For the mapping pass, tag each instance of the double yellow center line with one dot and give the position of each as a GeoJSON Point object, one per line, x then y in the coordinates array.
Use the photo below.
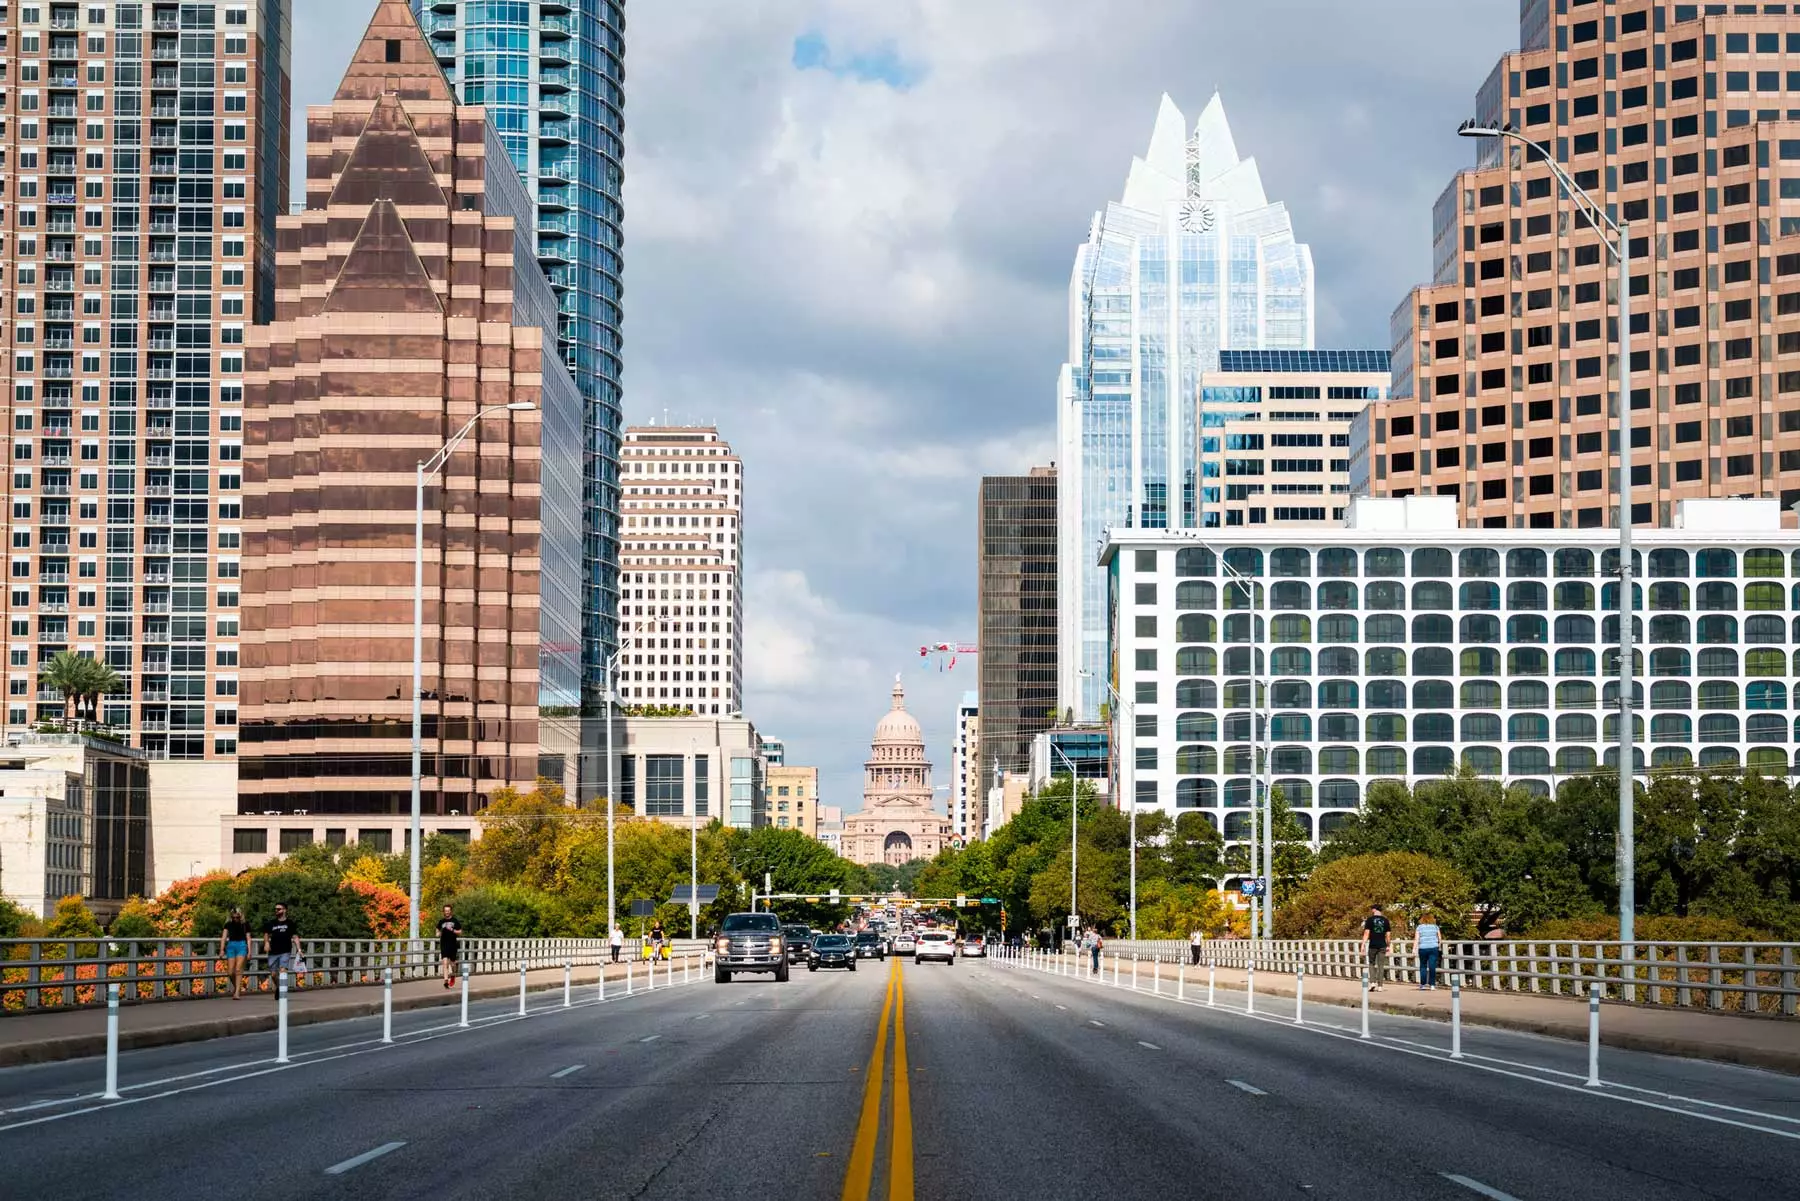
{"type": "Point", "coordinates": [860, 1176]}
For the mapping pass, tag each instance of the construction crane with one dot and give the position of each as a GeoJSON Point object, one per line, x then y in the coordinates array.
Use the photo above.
{"type": "Point", "coordinates": [946, 653]}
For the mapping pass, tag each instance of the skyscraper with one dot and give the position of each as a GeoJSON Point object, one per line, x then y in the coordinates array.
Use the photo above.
{"type": "Point", "coordinates": [144, 153]}
{"type": "Point", "coordinates": [1681, 120]}
{"type": "Point", "coordinates": [1016, 599]}
{"type": "Point", "coordinates": [1193, 259]}
{"type": "Point", "coordinates": [682, 612]}
{"type": "Point", "coordinates": [552, 75]}
{"type": "Point", "coordinates": [410, 311]}
{"type": "Point", "coordinates": [967, 792]}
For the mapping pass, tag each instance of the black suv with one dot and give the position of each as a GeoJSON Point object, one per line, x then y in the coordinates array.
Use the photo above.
{"type": "Point", "coordinates": [750, 942]}
{"type": "Point", "coordinates": [799, 941]}
{"type": "Point", "coordinates": [870, 945]}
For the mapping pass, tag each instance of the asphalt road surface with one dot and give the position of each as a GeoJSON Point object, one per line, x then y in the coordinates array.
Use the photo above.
{"type": "Point", "coordinates": [902, 1080]}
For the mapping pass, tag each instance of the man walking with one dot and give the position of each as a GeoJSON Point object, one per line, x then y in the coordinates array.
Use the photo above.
{"type": "Point", "coordinates": [449, 946]}
{"type": "Point", "coordinates": [1375, 946]}
{"type": "Point", "coordinates": [1195, 941]}
{"type": "Point", "coordinates": [616, 941]}
{"type": "Point", "coordinates": [1095, 942]}
{"type": "Point", "coordinates": [281, 945]}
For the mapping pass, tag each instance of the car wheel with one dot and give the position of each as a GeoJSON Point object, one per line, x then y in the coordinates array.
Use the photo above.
{"type": "Point", "coordinates": [781, 974]}
{"type": "Point", "coordinates": [812, 967]}
{"type": "Point", "coordinates": [721, 976]}
{"type": "Point", "coordinates": [853, 967]}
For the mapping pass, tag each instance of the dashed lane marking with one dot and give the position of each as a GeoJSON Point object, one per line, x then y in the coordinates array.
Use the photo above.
{"type": "Point", "coordinates": [568, 1071]}
{"type": "Point", "coordinates": [357, 1161]}
{"type": "Point", "coordinates": [1249, 1088]}
{"type": "Point", "coordinates": [1475, 1186]}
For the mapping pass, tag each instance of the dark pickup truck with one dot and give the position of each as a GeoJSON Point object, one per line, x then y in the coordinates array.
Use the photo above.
{"type": "Point", "coordinates": [750, 942]}
{"type": "Point", "coordinates": [799, 942]}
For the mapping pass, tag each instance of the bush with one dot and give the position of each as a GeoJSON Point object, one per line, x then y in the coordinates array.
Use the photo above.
{"type": "Point", "coordinates": [387, 909]}
{"type": "Point", "coordinates": [134, 921]}
{"type": "Point", "coordinates": [73, 919]}
{"type": "Point", "coordinates": [1650, 929]}
{"type": "Point", "coordinates": [1336, 899]}
{"type": "Point", "coordinates": [507, 911]}
{"type": "Point", "coordinates": [314, 902]}
{"type": "Point", "coordinates": [13, 919]}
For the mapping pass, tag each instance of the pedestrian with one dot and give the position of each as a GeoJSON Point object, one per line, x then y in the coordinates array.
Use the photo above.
{"type": "Point", "coordinates": [281, 945]}
{"type": "Point", "coordinates": [657, 939]}
{"type": "Point", "coordinates": [449, 945]}
{"type": "Point", "coordinates": [1428, 940]}
{"type": "Point", "coordinates": [234, 947]}
{"type": "Point", "coordinates": [617, 941]}
{"type": "Point", "coordinates": [1375, 946]}
{"type": "Point", "coordinates": [1095, 942]}
{"type": "Point", "coordinates": [1195, 941]}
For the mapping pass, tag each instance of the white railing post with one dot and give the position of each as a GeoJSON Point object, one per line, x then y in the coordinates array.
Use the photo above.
{"type": "Point", "coordinates": [387, 1004]}
{"type": "Point", "coordinates": [1365, 1004]}
{"type": "Point", "coordinates": [1134, 983]}
{"type": "Point", "coordinates": [281, 1016]}
{"type": "Point", "coordinates": [1250, 987]}
{"type": "Point", "coordinates": [1181, 968]}
{"type": "Point", "coordinates": [1456, 1016]}
{"type": "Point", "coordinates": [464, 1024]}
{"type": "Point", "coordinates": [112, 1043]}
{"type": "Point", "coordinates": [1212, 979]}
{"type": "Point", "coordinates": [568, 984]}
{"type": "Point", "coordinates": [1593, 1076]}
{"type": "Point", "coordinates": [521, 987]}
{"type": "Point", "coordinates": [1299, 997]}
{"type": "Point", "coordinates": [603, 976]}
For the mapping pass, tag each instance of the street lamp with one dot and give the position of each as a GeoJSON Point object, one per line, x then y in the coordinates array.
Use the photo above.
{"type": "Point", "coordinates": [430, 467]}
{"type": "Point", "coordinates": [609, 697]}
{"type": "Point", "coordinates": [694, 845]}
{"type": "Point", "coordinates": [1074, 791]}
{"type": "Point", "coordinates": [1127, 778]}
{"type": "Point", "coordinates": [1614, 235]}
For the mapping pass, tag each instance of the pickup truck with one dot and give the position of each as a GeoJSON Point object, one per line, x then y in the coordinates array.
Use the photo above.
{"type": "Point", "coordinates": [750, 942]}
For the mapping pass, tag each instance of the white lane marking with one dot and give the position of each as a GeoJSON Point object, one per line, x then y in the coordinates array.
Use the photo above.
{"type": "Point", "coordinates": [1475, 1186]}
{"type": "Point", "coordinates": [1093, 1022]}
{"type": "Point", "coordinates": [1062, 1007]}
{"type": "Point", "coordinates": [1249, 1088]}
{"type": "Point", "coordinates": [699, 1017]}
{"type": "Point", "coordinates": [46, 1104]}
{"type": "Point", "coordinates": [1152, 1046]}
{"type": "Point", "coordinates": [650, 1038]}
{"type": "Point", "coordinates": [737, 1002]}
{"type": "Point", "coordinates": [357, 1161]}
{"type": "Point", "coordinates": [568, 1071]}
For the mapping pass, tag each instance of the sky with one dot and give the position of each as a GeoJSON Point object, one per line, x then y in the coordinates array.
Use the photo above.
{"type": "Point", "coordinates": [849, 230]}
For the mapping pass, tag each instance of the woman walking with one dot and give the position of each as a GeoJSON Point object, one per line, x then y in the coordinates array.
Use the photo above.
{"type": "Point", "coordinates": [234, 947]}
{"type": "Point", "coordinates": [1428, 940]}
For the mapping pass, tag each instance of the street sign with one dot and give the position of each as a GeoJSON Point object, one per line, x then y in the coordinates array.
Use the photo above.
{"type": "Point", "coordinates": [961, 900]}
{"type": "Point", "coordinates": [1255, 886]}
{"type": "Point", "coordinates": [643, 908]}
{"type": "Point", "coordinates": [708, 894]}
{"type": "Point", "coordinates": [1074, 921]}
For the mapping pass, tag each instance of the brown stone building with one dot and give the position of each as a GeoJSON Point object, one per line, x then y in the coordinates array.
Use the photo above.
{"type": "Point", "coordinates": [408, 299]}
{"type": "Point", "coordinates": [1684, 120]}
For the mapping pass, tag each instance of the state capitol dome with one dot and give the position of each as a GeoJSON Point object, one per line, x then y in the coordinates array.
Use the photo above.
{"type": "Point", "coordinates": [898, 822]}
{"type": "Point", "coordinates": [897, 725]}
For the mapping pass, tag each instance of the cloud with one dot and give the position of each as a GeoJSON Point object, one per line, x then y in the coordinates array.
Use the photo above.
{"type": "Point", "coordinates": [858, 266]}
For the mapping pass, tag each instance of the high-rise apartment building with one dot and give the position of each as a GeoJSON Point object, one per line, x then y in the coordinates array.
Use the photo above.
{"type": "Point", "coordinates": [143, 157]}
{"type": "Point", "coordinates": [1684, 121]}
{"type": "Point", "coordinates": [551, 74]}
{"type": "Point", "coordinates": [1275, 433]}
{"type": "Point", "coordinates": [1193, 259]}
{"type": "Point", "coordinates": [793, 797]}
{"type": "Point", "coordinates": [682, 593]}
{"type": "Point", "coordinates": [410, 311]}
{"type": "Point", "coordinates": [1016, 598]}
{"type": "Point", "coordinates": [966, 792]}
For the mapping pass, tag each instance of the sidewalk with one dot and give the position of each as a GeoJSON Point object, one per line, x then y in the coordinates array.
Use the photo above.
{"type": "Point", "coordinates": [49, 1035]}
{"type": "Point", "coordinates": [1762, 1042]}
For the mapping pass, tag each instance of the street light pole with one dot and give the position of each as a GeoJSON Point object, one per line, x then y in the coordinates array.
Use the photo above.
{"type": "Point", "coordinates": [1074, 788]}
{"type": "Point", "coordinates": [1615, 236]}
{"type": "Point", "coordinates": [429, 467]}
{"type": "Point", "coordinates": [1127, 719]}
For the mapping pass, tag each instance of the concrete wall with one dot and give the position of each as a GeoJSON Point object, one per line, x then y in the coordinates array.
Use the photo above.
{"type": "Point", "coordinates": [190, 801]}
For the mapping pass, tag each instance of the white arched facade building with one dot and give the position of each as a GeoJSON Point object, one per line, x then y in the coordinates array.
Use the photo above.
{"type": "Point", "coordinates": [897, 822]}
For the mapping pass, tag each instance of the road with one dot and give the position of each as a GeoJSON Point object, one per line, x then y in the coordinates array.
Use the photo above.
{"type": "Point", "coordinates": [1016, 1085]}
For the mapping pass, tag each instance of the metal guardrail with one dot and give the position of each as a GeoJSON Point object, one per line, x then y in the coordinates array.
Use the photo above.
{"type": "Point", "coordinates": [1726, 977]}
{"type": "Point", "coordinates": [43, 974]}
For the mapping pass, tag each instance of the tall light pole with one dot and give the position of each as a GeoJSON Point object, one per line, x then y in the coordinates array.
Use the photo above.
{"type": "Point", "coordinates": [610, 698]}
{"type": "Point", "coordinates": [1074, 789]}
{"type": "Point", "coordinates": [694, 843]}
{"type": "Point", "coordinates": [1127, 719]}
{"type": "Point", "coordinates": [1615, 236]}
{"type": "Point", "coordinates": [429, 467]}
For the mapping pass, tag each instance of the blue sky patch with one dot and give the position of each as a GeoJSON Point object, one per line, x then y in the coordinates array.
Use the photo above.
{"type": "Point", "coordinates": [879, 64]}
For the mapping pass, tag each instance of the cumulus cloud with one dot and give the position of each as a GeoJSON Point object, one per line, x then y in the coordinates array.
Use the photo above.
{"type": "Point", "coordinates": [849, 230]}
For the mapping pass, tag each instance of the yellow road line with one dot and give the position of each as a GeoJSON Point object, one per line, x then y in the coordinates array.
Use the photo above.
{"type": "Point", "coordinates": [900, 1140]}
{"type": "Point", "coordinates": [861, 1171]}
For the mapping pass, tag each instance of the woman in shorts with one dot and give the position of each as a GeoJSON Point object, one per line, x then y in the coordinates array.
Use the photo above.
{"type": "Point", "coordinates": [234, 946]}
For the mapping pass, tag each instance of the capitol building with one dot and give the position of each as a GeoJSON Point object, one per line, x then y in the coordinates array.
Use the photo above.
{"type": "Point", "coordinates": [897, 822]}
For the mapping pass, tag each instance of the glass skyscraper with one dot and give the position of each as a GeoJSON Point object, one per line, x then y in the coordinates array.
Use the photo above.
{"type": "Point", "coordinates": [1192, 260]}
{"type": "Point", "coordinates": [552, 75]}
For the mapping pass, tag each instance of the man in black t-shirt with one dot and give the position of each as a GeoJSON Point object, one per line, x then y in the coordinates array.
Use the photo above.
{"type": "Point", "coordinates": [1375, 945]}
{"type": "Point", "coordinates": [449, 945]}
{"type": "Point", "coordinates": [281, 944]}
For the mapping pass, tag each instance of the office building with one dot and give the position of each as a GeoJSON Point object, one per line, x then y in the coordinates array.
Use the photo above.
{"type": "Point", "coordinates": [682, 598]}
{"type": "Point", "coordinates": [966, 796]}
{"type": "Point", "coordinates": [1084, 752]}
{"type": "Point", "coordinates": [1684, 121]}
{"type": "Point", "coordinates": [1404, 646]}
{"type": "Point", "coordinates": [1275, 434]}
{"type": "Point", "coordinates": [1017, 596]}
{"type": "Point", "coordinates": [144, 155]}
{"type": "Point", "coordinates": [74, 822]}
{"type": "Point", "coordinates": [831, 827]}
{"type": "Point", "coordinates": [551, 74]}
{"type": "Point", "coordinates": [774, 752]}
{"type": "Point", "coordinates": [409, 311]}
{"type": "Point", "coordinates": [682, 769]}
{"type": "Point", "coordinates": [793, 794]}
{"type": "Point", "coordinates": [1191, 260]}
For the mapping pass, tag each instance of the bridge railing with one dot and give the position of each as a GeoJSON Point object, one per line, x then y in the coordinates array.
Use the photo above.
{"type": "Point", "coordinates": [1735, 977]}
{"type": "Point", "coordinates": [41, 974]}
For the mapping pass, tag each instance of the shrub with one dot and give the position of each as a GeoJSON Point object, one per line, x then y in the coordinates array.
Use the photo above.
{"type": "Point", "coordinates": [1336, 899]}
{"type": "Point", "coordinates": [72, 919]}
{"type": "Point", "coordinates": [386, 908]}
{"type": "Point", "coordinates": [12, 919]}
{"type": "Point", "coordinates": [134, 921]}
{"type": "Point", "coordinates": [507, 911]}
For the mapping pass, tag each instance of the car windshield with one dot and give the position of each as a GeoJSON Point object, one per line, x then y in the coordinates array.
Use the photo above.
{"type": "Point", "coordinates": [756, 923]}
{"type": "Point", "coordinates": [826, 942]}
{"type": "Point", "coordinates": [796, 931]}
{"type": "Point", "coordinates": [935, 936]}
{"type": "Point", "coordinates": [870, 938]}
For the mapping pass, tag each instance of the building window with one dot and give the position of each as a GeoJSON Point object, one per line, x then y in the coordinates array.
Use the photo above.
{"type": "Point", "coordinates": [250, 842]}
{"type": "Point", "coordinates": [662, 785]}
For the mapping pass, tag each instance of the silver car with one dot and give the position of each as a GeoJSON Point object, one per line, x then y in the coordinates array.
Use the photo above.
{"type": "Point", "coordinates": [904, 944]}
{"type": "Point", "coordinates": [974, 947]}
{"type": "Point", "coordinates": [936, 944]}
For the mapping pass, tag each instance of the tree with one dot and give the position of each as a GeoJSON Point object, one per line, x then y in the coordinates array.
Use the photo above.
{"type": "Point", "coordinates": [12, 919]}
{"type": "Point", "coordinates": [72, 919]}
{"type": "Point", "coordinates": [1335, 899]}
{"type": "Point", "coordinates": [1171, 910]}
{"type": "Point", "coordinates": [522, 836]}
{"type": "Point", "coordinates": [797, 863]}
{"type": "Point", "coordinates": [507, 911]}
{"type": "Point", "coordinates": [313, 899]}
{"type": "Point", "coordinates": [67, 673]}
{"type": "Point", "coordinates": [134, 921]}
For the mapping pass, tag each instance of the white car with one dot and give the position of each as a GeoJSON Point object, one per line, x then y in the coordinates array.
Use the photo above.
{"type": "Point", "coordinates": [903, 944]}
{"type": "Point", "coordinates": [936, 944]}
{"type": "Point", "coordinates": [974, 946]}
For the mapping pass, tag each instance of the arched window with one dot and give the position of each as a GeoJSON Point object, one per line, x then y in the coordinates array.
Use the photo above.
{"type": "Point", "coordinates": [1764, 562]}
{"type": "Point", "coordinates": [1765, 694]}
{"type": "Point", "coordinates": [1196, 761]}
{"type": "Point", "coordinates": [1381, 562]}
{"type": "Point", "coordinates": [1575, 694]}
{"type": "Point", "coordinates": [1609, 729]}
{"type": "Point", "coordinates": [1197, 694]}
{"type": "Point", "coordinates": [1339, 794]}
{"type": "Point", "coordinates": [1715, 563]}
{"type": "Point", "coordinates": [1289, 561]}
{"type": "Point", "coordinates": [1245, 560]}
{"type": "Point", "coordinates": [1338, 727]}
{"type": "Point", "coordinates": [1480, 627]}
{"type": "Point", "coordinates": [1238, 661]}
{"type": "Point", "coordinates": [1337, 561]}
{"type": "Point", "coordinates": [1763, 596]}
{"type": "Point", "coordinates": [1609, 564]}
{"type": "Point", "coordinates": [1291, 594]}
{"type": "Point", "coordinates": [1337, 594]}
{"type": "Point", "coordinates": [1671, 727]}
{"type": "Point", "coordinates": [1765, 661]}
{"type": "Point", "coordinates": [1574, 661]}
{"type": "Point", "coordinates": [1718, 694]}
{"type": "Point", "coordinates": [1237, 796]}
{"type": "Point", "coordinates": [1196, 794]}
{"type": "Point", "coordinates": [1527, 596]}
{"type": "Point", "coordinates": [1765, 727]}
{"type": "Point", "coordinates": [1528, 562]}
{"type": "Point", "coordinates": [1528, 761]}
{"type": "Point", "coordinates": [1431, 563]}
{"type": "Point", "coordinates": [1385, 661]}
{"type": "Point", "coordinates": [1291, 694]}
{"type": "Point", "coordinates": [1717, 661]}
{"type": "Point", "coordinates": [1572, 760]}
{"type": "Point", "coordinates": [1573, 597]}
{"type": "Point", "coordinates": [1195, 561]}
{"type": "Point", "coordinates": [1238, 695]}
{"type": "Point", "coordinates": [1433, 694]}
{"type": "Point", "coordinates": [1765, 629]}
{"type": "Point", "coordinates": [1667, 627]}
{"type": "Point", "coordinates": [1237, 595]}
{"type": "Point", "coordinates": [1291, 627]}
{"type": "Point", "coordinates": [1668, 564]}
{"type": "Point", "coordinates": [1718, 727]}
{"type": "Point", "coordinates": [1481, 694]}
{"type": "Point", "coordinates": [1196, 594]}
{"type": "Point", "coordinates": [1386, 627]}
{"type": "Point", "coordinates": [1478, 562]}
{"type": "Point", "coordinates": [1481, 727]}
{"type": "Point", "coordinates": [1574, 564]}
{"type": "Point", "coordinates": [1717, 628]}
{"type": "Point", "coordinates": [1671, 694]}
{"type": "Point", "coordinates": [1196, 627]}
{"type": "Point", "coordinates": [1383, 595]}
{"type": "Point", "coordinates": [1432, 594]}
{"type": "Point", "coordinates": [1433, 627]}
{"type": "Point", "coordinates": [1527, 661]}
{"type": "Point", "coordinates": [1611, 758]}
{"type": "Point", "coordinates": [1432, 661]}
{"type": "Point", "coordinates": [1237, 825]}
{"type": "Point", "coordinates": [1609, 597]}
{"type": "Point", "coordinates": [1671, 758]}
{"type": "Point", "coordinates": [1574, 627]}
{"type": "Point", "coordinates": [1337, 627]}
{"type": "Point", "coordinates": [1238, 627]}
{"type": "Point", "coordinates": [1433, 727]}
{"type": "Point", "coordinates": [1575, 727]}
{"type": "Point", "coordinates": [1291, 661]}
{"type": "Point", "coordinates": [1433, 761]}
{"type": "Point", "coordinates": [1238, 758]}
{"type": "Point", "coordinates": [1669, 598]}
{"type": "Point", "coordinates": [1482, 760]}
{"type": "Point", "coordinates": [1337, 694]}
{"type": "Point", "coordinates": [1711, 756]}
{"type": "Point", "coordinates": [1297, 793]}
{"type": "Point", "coordinates": [1339, 759]}
{"type": "Point", "coordinates": [1527, 627]}
{"type": "Point", "coordinates": [1290, 759]}
{"type": "Point", "coordinates": [1196, 661]}
{"type": "Point", "coordinates": [1767, 760]}
{"type": "Point", "coordinates": [1332, 823]}
{"type": "Point", "coordinates": [1387, 694]}
{"type": "Point", "coordinates": [1197, 727]}
{"type": "Point", "coordinates": [1479, 596]}
{"type": "Point", "coordinates": [1528, 727]}
{"type": "Point", "coordinates": [1609, 629]}
{"type": "Point", "coordinates": [1669, 662]}
{"type": "Point", "coordinates": [1386, 760]}
{"type": "Point", "coordinates": [1291, 727]}
{"type": "Point", "coordinates": [1527, 694]}
{"type": "Point", "coordinates": [1475, 661]}
{"type": "Point", "coordinates": [1387, 727]}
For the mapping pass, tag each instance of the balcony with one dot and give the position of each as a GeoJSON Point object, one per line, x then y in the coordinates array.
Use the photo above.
{"type": "Point", "coordinates": [156, 606]}
{"type": "Point", "coordinates": [65, 110]}
{"type": "Point", "coordinates": [53, 577]}
{"type": "Point", "coordinates": [62, 459]}
{"type": "Point", "coordinates": [154, 725]}
{"type": "Point", "coordinates": [555, 79]}
{"type": "Point", "coordinates": [156, 577]}
{"type": "Point", "coordinates": [53, 606]}
{"type": "Point", "coordinates": [158, 490]}
{"type": "Point", "coordinates": [161, 139]}
{"type": "Point", "coordinates": [154, 694]}
{"type": "Point", "coordinates": [59, 138]}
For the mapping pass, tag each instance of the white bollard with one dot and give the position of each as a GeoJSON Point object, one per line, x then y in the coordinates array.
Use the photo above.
{"type": "Point", "coordinates": [1593, 1079]}
{"type": "Point", "coordinates": [521, 989]}
{"type": "Point", "coordinates": [603, 977]}
{"type": "Point", "coordinates": [628, 984]}
{"type": "Point", "coordinates": [387, 1004]}
{"type": "Point", "coordinates": [112, 1043]}
{"type": "Point", "coordinates": [1117, 968]}
{"type": "Point", "coordinates": [1156, 980]}
{"type": "Point", "coordinates": [1134, 973]}
{"type": "Point", "coordinates": [281, 1055]}
{"type": "Point", "coordinates": [464, 968]}
{"type": "Point", "coordinates": [1250, 989]}
{"type": "Point", "coordinates": [1181, 968]}
{"type": "Point", "coordinates": [1365, 1003]}
{"type": "Point", "coordinates": [1212, 980]}
{"type": "Point", "coordinates": [1299, 998]}
{"type": "Point", "coordinates": [1456, 1016]}
{"type": "Point", "coordinates": [687, 967]}
{"type": "Point", "coordinates": [568, 984]}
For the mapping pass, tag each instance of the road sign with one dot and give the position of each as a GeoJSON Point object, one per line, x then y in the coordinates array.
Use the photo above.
{"type": "Point", "coordinates": [708, 894]}
{"type": "Point", "coordinates": [1255, 886]}
{"type": "Point", "coordinates": [961, 900]}
{"type": "Point", "coordinates": [643, 908]}
{"type": "Point", "coordinates": [1074, 921]}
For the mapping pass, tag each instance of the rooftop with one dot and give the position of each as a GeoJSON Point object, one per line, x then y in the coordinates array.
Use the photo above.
{"type": "Point", "coordinates": [1267, 362]}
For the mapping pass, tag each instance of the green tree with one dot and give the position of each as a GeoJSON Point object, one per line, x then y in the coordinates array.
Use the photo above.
{"type": "Point", "coordinates": [134, 921]}
{"type": "Point", "coordinates": [508, 911]}
{"type": "Point", "coordinates": [72, 919]}
{"type": "Point", "coordinates": [12, 918]}
{"type": "Point", "coordinates": [1335, 899]}
{"type": "Point", "coordinates": [522, 835]}
{"type": "Point", "coordinates": [67, 673]}
{"type": "Point", "coordinates": [795, 862]}
{"type": "Point", "coordinates": [313, 899]}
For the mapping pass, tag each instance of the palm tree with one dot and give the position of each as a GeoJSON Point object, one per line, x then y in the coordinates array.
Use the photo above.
{"type": "Point", "coordinates": [67, 673]}
{"type": "Point", "coordinates": [99, 680]}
